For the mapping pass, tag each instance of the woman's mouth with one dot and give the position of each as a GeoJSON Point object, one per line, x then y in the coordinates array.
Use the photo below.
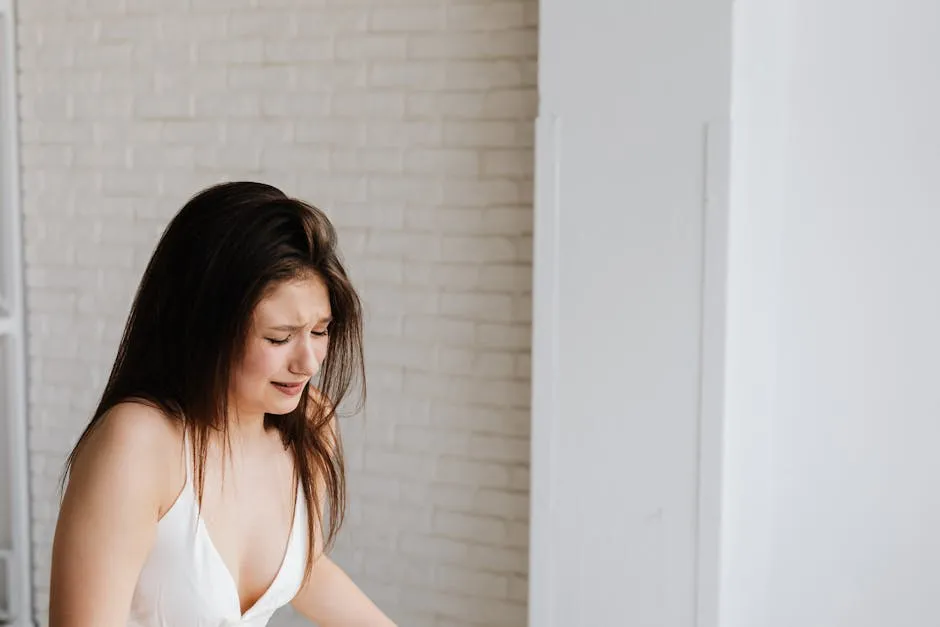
{"type": "Point", "coordinates": [290, 389]}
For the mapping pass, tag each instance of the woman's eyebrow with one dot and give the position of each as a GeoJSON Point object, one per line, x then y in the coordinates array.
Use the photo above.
{"type": "Point", "coordinates": [297, 327]}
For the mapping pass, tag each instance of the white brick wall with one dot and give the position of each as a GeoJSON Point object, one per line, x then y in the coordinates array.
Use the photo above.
{"type": "Point", "coordinates": [410, 121]}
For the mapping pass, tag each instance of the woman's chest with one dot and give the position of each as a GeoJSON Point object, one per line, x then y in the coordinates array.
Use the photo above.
{"type": "Point", "coordinates": [248, 515]}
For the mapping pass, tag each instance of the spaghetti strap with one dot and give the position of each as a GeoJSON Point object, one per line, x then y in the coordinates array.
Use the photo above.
{"type": "Point", "coordinates": [188, 457]}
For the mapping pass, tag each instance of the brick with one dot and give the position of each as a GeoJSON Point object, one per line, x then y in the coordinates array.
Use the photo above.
{"type": "Point", "coordinates": [447, 46]}
{"type": "Point", "coordinates": [371, 47]}
{"type": "Point", "coordinates": [397, 352]}
{"type": "Point", "coordinates": [466, 526]}
{"type": "Point", "coordinates": [442, 604]}
{"type": "Point", "coordinates": [481, 193]}
{"type": "Point", "coordinates": [103, 56]}
{"type": "Point", "coordinates": [164, 107]}
{"type": "Point", "coordinates": [486, 17]}
{"type": "Point", "coordinates": [440, 549]}
{"type": "Point", "coordinates": [129, 184]}
{"type": "Point", "coordinates": [408, 246]}
{"type": "Point", "coordinates": [519, 588]}
{"type": "Point", "coordinates": [452, 162]}
{"type": "Point", "coordinates": [46, 156]}
{"type": "Point", "coordinates": [154, 7]}
{"type": "Point", "coordinates": [445, 104]}
{"type": "Point", "coordinates": [507, 221]}
{"type": "Point", "coordinates": [486, 75]}
{"type": "Point", "coordinates": [444, 220]}
{"type": "Point", "coordinates": [407, 19]}
{"type": "Point", "coordinates": [299, 157]}
{"type": "Point", "coordinates": [329, 75]}
{"type": "Point", "coordinates": [104, 7]}
{"type": "Point", "coordinates": [404, 189]}
{"type": "Point", "coordinates": [102, 107]}
{"type": "Point", "coordinates": [381, 216]}
{"type": "Point", "coordinates": [404, 132]}
{"type": "Point", "coordinates": [163, 54]}
{"type": "Point", "coordinates": [448, 332]}
{"type": "Point", "coordinates": [333, 21]}
{"type": "Point", "coordinates": [511, 104]}
{"type": "Point", "coordinates": [486, 307]}
{"type": "Point", "coordinates": [484, 249]}
{"type": "Point", "coordinates": [395, 464]}
{"type": "Point", "coordinates": [262, 77]}
{"type": "Point", "coordinates": [225, 53]}
{"type": "Point", "coordinates": [257, 133]}
{"type": "Point", "coordinates": [531, 13]}
{"type": "Point", "coordinates": [515, 163]}
{"type": "Point", "coordinates": [442, 275]}
{"type": "Point", "coordinates": [482, 584]}
{"type": "Point", "coordinates": [216, 6]}
{"type": "Point", "coordinates": [295, 106]}
{"type": "Point", "coordinates": [419, 438]}
{"type": "Point", "coordinates": [369, 104]}
{"type": "Point", "coordinates": [404, 570]}
{"type": "Point", "coordinates": [512, 505]}
{"type": "Point", "coordinates": [276, 25]}
{"type": "Point", "coordinates": [479, 134]}
{"type": "Point", "coordinates": [454, 360]}
{"type": "Point", "coordinates": [190, 27]}
{"type": "Point", "coordinates": [298, 51]}
{"type": "Point", "coordinates": [407, 74]}
{"type": "Point", "coordinates": [336, 188]}
{"type": "Point", "coordinates": [212, 106]}
{"type": "Point", "coordinates": [184, 131]}
{"type": "Point", "coordinates": [474, 46]}
{"type": "Point", "coordinates": [505, 336]}
{"type": "Point", "coordinates": [467, 472]}
{"type": "Point", "coordinates": [500, 612]}
{"type": "Point", "coordinates": [376, 486]}
{"type": "Point", "coordinates": [518, 534]}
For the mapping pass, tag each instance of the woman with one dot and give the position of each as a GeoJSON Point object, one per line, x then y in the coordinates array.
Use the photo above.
{"type": "Point", "coordinates": [199, 494]}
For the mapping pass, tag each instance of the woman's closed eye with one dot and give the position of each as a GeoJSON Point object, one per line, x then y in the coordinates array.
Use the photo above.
{"type": "Point", "coordinates": [280, 341]}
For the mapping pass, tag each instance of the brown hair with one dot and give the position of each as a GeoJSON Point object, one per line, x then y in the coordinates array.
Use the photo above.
{"type": "Point", "coordinates": [187, 327]}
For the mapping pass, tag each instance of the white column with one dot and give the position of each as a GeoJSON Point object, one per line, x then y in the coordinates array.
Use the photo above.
{"type": "Point", "coordinates": [630, 207]}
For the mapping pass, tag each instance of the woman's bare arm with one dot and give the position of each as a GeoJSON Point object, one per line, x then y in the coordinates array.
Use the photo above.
{"type": "Point", "coordinates": [107, 522]}
{"type": "Point", "coordinates": [330, 599]}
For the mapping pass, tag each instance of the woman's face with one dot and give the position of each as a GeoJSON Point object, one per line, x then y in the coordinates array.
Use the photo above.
{"type": "Point", "coordinates": [286, 344]}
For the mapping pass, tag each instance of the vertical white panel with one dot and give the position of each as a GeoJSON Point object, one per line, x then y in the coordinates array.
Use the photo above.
{"type": "Point", "coordinates": [628, 312]}
{"type": "Point", "coordinates": [15, 600]}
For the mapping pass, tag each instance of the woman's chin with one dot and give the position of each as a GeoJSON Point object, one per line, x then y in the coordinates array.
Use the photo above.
{"type": "Point", "coordinates": [282, 405]}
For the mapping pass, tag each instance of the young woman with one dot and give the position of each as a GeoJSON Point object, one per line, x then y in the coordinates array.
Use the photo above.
{"type": "Point", "coordinates": [209, 484]}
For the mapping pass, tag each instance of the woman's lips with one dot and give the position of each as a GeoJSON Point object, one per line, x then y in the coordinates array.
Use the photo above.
{"type": "Point", "coordinates": [290, 389]}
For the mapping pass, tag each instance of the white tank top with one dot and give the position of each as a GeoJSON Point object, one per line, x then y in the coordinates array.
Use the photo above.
{"type": "Point", "coordinates": [185, 583]}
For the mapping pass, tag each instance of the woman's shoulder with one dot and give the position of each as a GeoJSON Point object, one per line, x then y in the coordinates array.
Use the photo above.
{"type": "Point", "coordinates": [137, 439]}
{"type": "Point", "coordinates": [141, 426]}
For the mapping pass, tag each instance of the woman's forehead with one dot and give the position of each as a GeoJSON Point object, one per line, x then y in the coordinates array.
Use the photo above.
{"type": "Point", "coordinates": [296, 302]}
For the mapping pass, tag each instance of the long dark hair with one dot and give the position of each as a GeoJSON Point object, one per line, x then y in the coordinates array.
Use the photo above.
{"type": "Point", "coordinates": [187, 327]}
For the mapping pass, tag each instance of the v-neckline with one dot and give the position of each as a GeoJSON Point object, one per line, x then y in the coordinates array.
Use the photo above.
{"type": "Point", "coordinates": [201, 523]}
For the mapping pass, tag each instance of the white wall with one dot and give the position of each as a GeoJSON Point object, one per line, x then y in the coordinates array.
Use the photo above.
{"type": "Point", "coordinates": [411, 122]}
{"type": "Point", "coordinates": [629, 91]}
{"type": "Point", "coordinates": [832, 507]}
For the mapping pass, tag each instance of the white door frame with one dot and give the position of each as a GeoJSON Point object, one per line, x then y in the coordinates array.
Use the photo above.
{"type": "Point", "coordinates": [13, 328]}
